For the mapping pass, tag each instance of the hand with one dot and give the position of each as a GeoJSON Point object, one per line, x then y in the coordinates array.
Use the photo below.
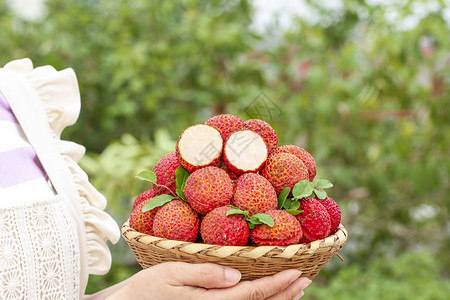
{"type": "Point", "coordinates": [177, 280]}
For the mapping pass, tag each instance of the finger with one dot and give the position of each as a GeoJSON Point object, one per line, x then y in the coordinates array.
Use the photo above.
{"type": "Point", "coordinates": [293, 291]}
{"type": "Point", "coordinates": [204, 275]}
{"type": "Point", "coordinates": [257, 289]}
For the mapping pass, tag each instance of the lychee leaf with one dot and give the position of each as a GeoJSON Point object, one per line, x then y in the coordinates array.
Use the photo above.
{"type": "Point", "coordinates": [282, 197]}
{"type": "Point", "coordinates": [237, 211]}
{"type": "Point", "coordinates": [294, 205]}
{"type": "Point", "coordinates": [262, 219]}
{"type": "Point", "coordinates": [323, 184]}
{"type": "Point", "coordinates": [303, 188]}
{"type": "Point", "coordinates": [157, 201]}
{"type": "Point", "coordinates": [147, 176]}
{"type": "Point", "coordinates": [251, 226]}
{"type": "Point", "coordinates": [287, 203]}
{"type": "Point", "coordinates": [181, 175]}
{"type": "Point", "coordinates": [294, 212]}
{"type": "Point", "coordinates": [320, 194]}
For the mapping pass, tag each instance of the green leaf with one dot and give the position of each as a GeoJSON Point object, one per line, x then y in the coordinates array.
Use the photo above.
{"type": "Point", "coordinates": [320, 194]}
{"type": "Point", "coordinates": [157, 201]}
{"type": "Point", "coordinates": [294, 212]}
{"type": "Point", "coordinates": [303, 188]}
{"type": "Point", "coordinates": [147, 176]}
{"type": "Point", "coordinates": [181, 176]}
{"type": "Point", "coordinates": [282, 197]}
{"type": "Point", "coordinates": [294, 205]}
{"type": "Point", "coordinates": [323, 184]}
{"type": "Point", "coordinates": [237, 211]}
{"type": "Point", "coordinates": [263, 219]}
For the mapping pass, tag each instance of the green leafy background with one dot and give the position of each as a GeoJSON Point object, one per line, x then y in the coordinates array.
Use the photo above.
{"type": "Point", "coordinates": [367, 95]}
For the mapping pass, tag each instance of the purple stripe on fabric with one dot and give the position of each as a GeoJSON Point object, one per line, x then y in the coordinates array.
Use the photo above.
{"type": "Point", "coordinates": [6, 113]}
{"type": "Point", "coordinates": [18, 166]}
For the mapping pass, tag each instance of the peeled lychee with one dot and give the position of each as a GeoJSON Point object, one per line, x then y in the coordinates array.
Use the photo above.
{"type": "Point", "coordinates": [286, 230]}
{"type": "Point", "coordinates": [225, 124]}
{"type": "Point", "coordinates": [208, 188]}
{"type": "Point", "coordinates": [315, 220]}
{"type": "Point", "coordinates": [334, 211]}
{"type": "Point", "coordinates": [265, 131]}
{"type": "Point", "coordinates": [165, 172]}
{"type": "Point", "coordinates": [254, 193]}
{"type": "Point", "coordinates": [199, 146]}
{"type": "Point", "coordinates": [219, 229]}
{"type": "Point", "coordinates": [176, 220]}
{"type": "Point", "coordinates": [304, 155]}
{"type": "Point", "coordinates": [284, 170]}
{"type": "Point", "coordinates": [245, 151]}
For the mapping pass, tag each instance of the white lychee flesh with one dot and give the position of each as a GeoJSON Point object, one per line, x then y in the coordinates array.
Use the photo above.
{"type": "Point", "coordinates": [245, 151]}
{"type": "Point", "coordinates": [199, 145]}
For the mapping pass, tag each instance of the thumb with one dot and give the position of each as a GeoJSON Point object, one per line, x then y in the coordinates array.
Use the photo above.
{"type": "Point", "coordinates": [206, 275]}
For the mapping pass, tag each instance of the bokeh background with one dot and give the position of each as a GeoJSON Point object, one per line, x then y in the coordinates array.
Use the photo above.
{"type": "Point", "coordinates": [362, 85]}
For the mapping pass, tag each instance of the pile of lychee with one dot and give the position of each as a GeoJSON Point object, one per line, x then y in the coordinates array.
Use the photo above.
{"type": "Point", "coordinates": [229, 183]}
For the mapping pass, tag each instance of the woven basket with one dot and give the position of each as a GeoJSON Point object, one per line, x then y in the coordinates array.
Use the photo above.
{"type": "Point", "coordinates": [252, 262]}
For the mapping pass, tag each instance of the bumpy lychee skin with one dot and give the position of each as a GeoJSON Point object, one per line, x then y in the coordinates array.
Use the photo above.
{"type": "Point", "coordinates": [176, 220]}
{"type": "Point", "coordinates": [245, 151]}
{"type": "Point", "coordinates": [208, 188]}
{"type": "Point", "coordinates": [144, 196]}
{"type": "Point", "coordinates": [219, 229]}
{"type": "Point", "coordinates": [315, 220]}
{"type": "Point", "coordinates": [225, 124]}
{"type": "Point", "coordinates": [142, 221]}
{"type": "Point", "coordinates": [334, 211]}
{"type": "Point", "coordinates": [286, 230]}
{"type": "Point", "coordinates": [301, 153]}
{"type": "Point", "coordinates": [284, 170]}
{"type": "Point", "coordinates": [199, 146]}
{"type": "Point", "coordinates": [165, 172]}
{"type": "Point", "coordinates": [254, 193]}
{"type": "Point", "coordinates": [230, 173]}
{"type": "Point", "coordinates": [265, 131]}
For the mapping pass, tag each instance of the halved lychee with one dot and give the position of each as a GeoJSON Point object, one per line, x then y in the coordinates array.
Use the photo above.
{"type": "Point", "coordinates": [199, 146]}
{"type": "Point", "coordinates": [245, 151]}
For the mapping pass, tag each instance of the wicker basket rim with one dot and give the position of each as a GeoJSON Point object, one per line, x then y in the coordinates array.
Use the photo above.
{"type": "Point", "coordinates": [329, 244]}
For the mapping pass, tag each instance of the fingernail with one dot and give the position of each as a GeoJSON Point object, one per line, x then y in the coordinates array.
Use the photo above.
{"type": "Point", "coordinates": [299, 295]}
{"type": "Point", "coordinates": [295, 276]}
{"type": "Point", "coordinates": [232, 275]}
{"type": "Point", "coordinates": [308, 282]}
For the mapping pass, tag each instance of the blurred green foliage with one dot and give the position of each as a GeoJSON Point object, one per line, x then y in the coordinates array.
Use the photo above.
{"type": "Point", "coordinates": [363, 91]}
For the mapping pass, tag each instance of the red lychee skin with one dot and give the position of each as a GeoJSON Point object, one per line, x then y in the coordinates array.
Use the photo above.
{"type": "Point", "coordinates": [301, 153]}
{"type": "Point", "coordinates": [208, 188]}
{"type": "Point", "coordinates": [176, 220]}
{"type": "Point", "coordinates": [334, 211]}
{"type": "Point", "coordinates": [284, 170]}
{"type": "Point", "coordinates": [219, 229]}
{"type": "Point", "coordinates": [165, 172]}
{"type": "Point", "coordinates": [143, 221]}
{"type": "Point", "coordinates": [144, 196]}
{"type": "Point", "coordinates": [286, 230]}
{"type": "Point", "coordinates": [223, 166]}
{"type": "Point", "coordinates": [315, 220]}
{"type": "Point", "coordinates": [226, 124]}
{"type": "Point", "coordinates": [265, 131]}
{"type": "Point", "coordinates": [254, 193]}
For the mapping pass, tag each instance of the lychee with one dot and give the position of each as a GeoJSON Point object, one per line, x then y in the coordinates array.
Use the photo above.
{"type": "Point", "coordinates": [143, 221]}
{"type": "Point", "coordinates": [284, 170]}
{"type": "Point", "coordinates": [165, 172]}
{"type": "Point", "coordinates": [144, 196]}
{"type": "Point", "coordinates": [208, 188]}
{"type": "Point", "coordinates": [199, 146]}
{"type": "Point", "coordinates": [245, 151]}
{"type": "Point", "coordinates": [225, 124]}
{"type": "Point", "coordinates": [286, 230]}
{"type": "Point", "coordinates": [254, 193]}
{"type": "Point", "coordinates": [265, 131]}
{"type": "Point", "coordinates": [315, 220]}
{"type": "Point", "coordinates": [304, 155]}
{"type": "Point", "coordinates": [176, 220]}
{"type": "Point", "coordinates": [334, 211]}
{"type": "Point", "coordinates": [219, 229]}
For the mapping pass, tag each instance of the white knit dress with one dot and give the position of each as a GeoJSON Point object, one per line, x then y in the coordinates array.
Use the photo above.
{"type": "Point", "coordinates": [53, 229]}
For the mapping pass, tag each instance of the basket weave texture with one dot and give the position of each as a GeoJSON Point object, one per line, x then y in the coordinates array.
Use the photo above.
{"type": "Point", "coordinates": [252, 262]}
